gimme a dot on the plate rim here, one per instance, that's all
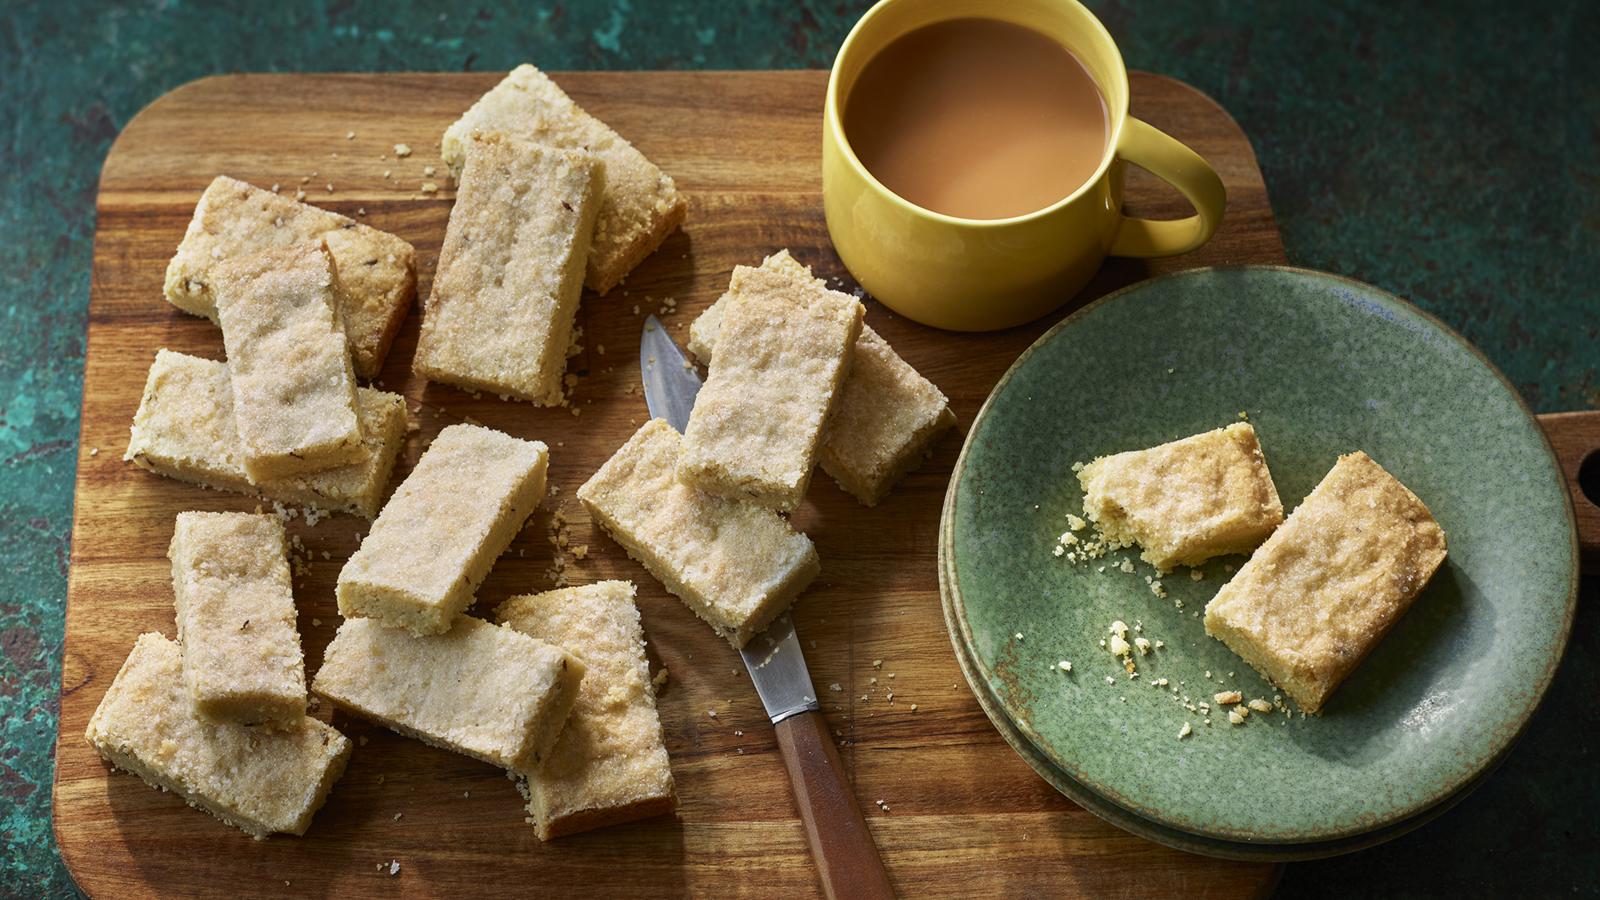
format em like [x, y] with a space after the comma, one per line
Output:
[1482, 762]
[1131, 822]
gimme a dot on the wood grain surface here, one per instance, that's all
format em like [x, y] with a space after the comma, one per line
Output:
[964, 814]
[1575, 438]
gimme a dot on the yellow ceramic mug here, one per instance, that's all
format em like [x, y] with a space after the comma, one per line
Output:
[985, 274]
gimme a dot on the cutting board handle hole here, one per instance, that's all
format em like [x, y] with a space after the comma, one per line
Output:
[1589, 476]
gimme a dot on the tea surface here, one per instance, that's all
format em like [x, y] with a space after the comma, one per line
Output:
[977, 118]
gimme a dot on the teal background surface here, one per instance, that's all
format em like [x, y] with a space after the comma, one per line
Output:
[1448, 152]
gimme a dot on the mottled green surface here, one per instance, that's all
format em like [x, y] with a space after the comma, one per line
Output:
[1322, 366]
[1448, 154]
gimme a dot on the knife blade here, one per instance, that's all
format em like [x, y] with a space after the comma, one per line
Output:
[670, 380]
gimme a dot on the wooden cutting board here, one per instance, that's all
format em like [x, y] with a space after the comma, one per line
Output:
[965, 815]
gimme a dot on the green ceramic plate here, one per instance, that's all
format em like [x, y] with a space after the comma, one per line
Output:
[1322, 365]
[1183, 840]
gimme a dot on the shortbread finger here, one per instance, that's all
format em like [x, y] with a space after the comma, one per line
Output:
[259, 780]
[377, 269]
[184, 429]
[481, 690]
[1186, 501]
[294, 393]
[437, 537]
[1320, 594]
[609, 764]
[887, 414]
[640, 206]
[784, 347]
[235, 612]
[511, 270]
[737, 565]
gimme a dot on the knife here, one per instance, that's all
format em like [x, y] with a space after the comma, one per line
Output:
[846, 858]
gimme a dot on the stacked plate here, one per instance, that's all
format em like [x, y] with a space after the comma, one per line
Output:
[1321, 366]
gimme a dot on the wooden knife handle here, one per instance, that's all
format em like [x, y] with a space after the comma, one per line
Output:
[1576, 439]
[846, 857]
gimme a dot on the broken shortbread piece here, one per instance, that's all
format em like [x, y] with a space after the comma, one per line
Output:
[640, 205]
[786, 347]
[376, 269]
[294, 393]
[236, 619]
[609, 765]
[481, 690]
[506, 290]
[1186, 501]
[438, 536]
[1315, 599]
[886, 417]
[184, 429]
[737, 565]
[259, 780]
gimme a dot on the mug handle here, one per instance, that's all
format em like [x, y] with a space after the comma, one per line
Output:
[1168, 159]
